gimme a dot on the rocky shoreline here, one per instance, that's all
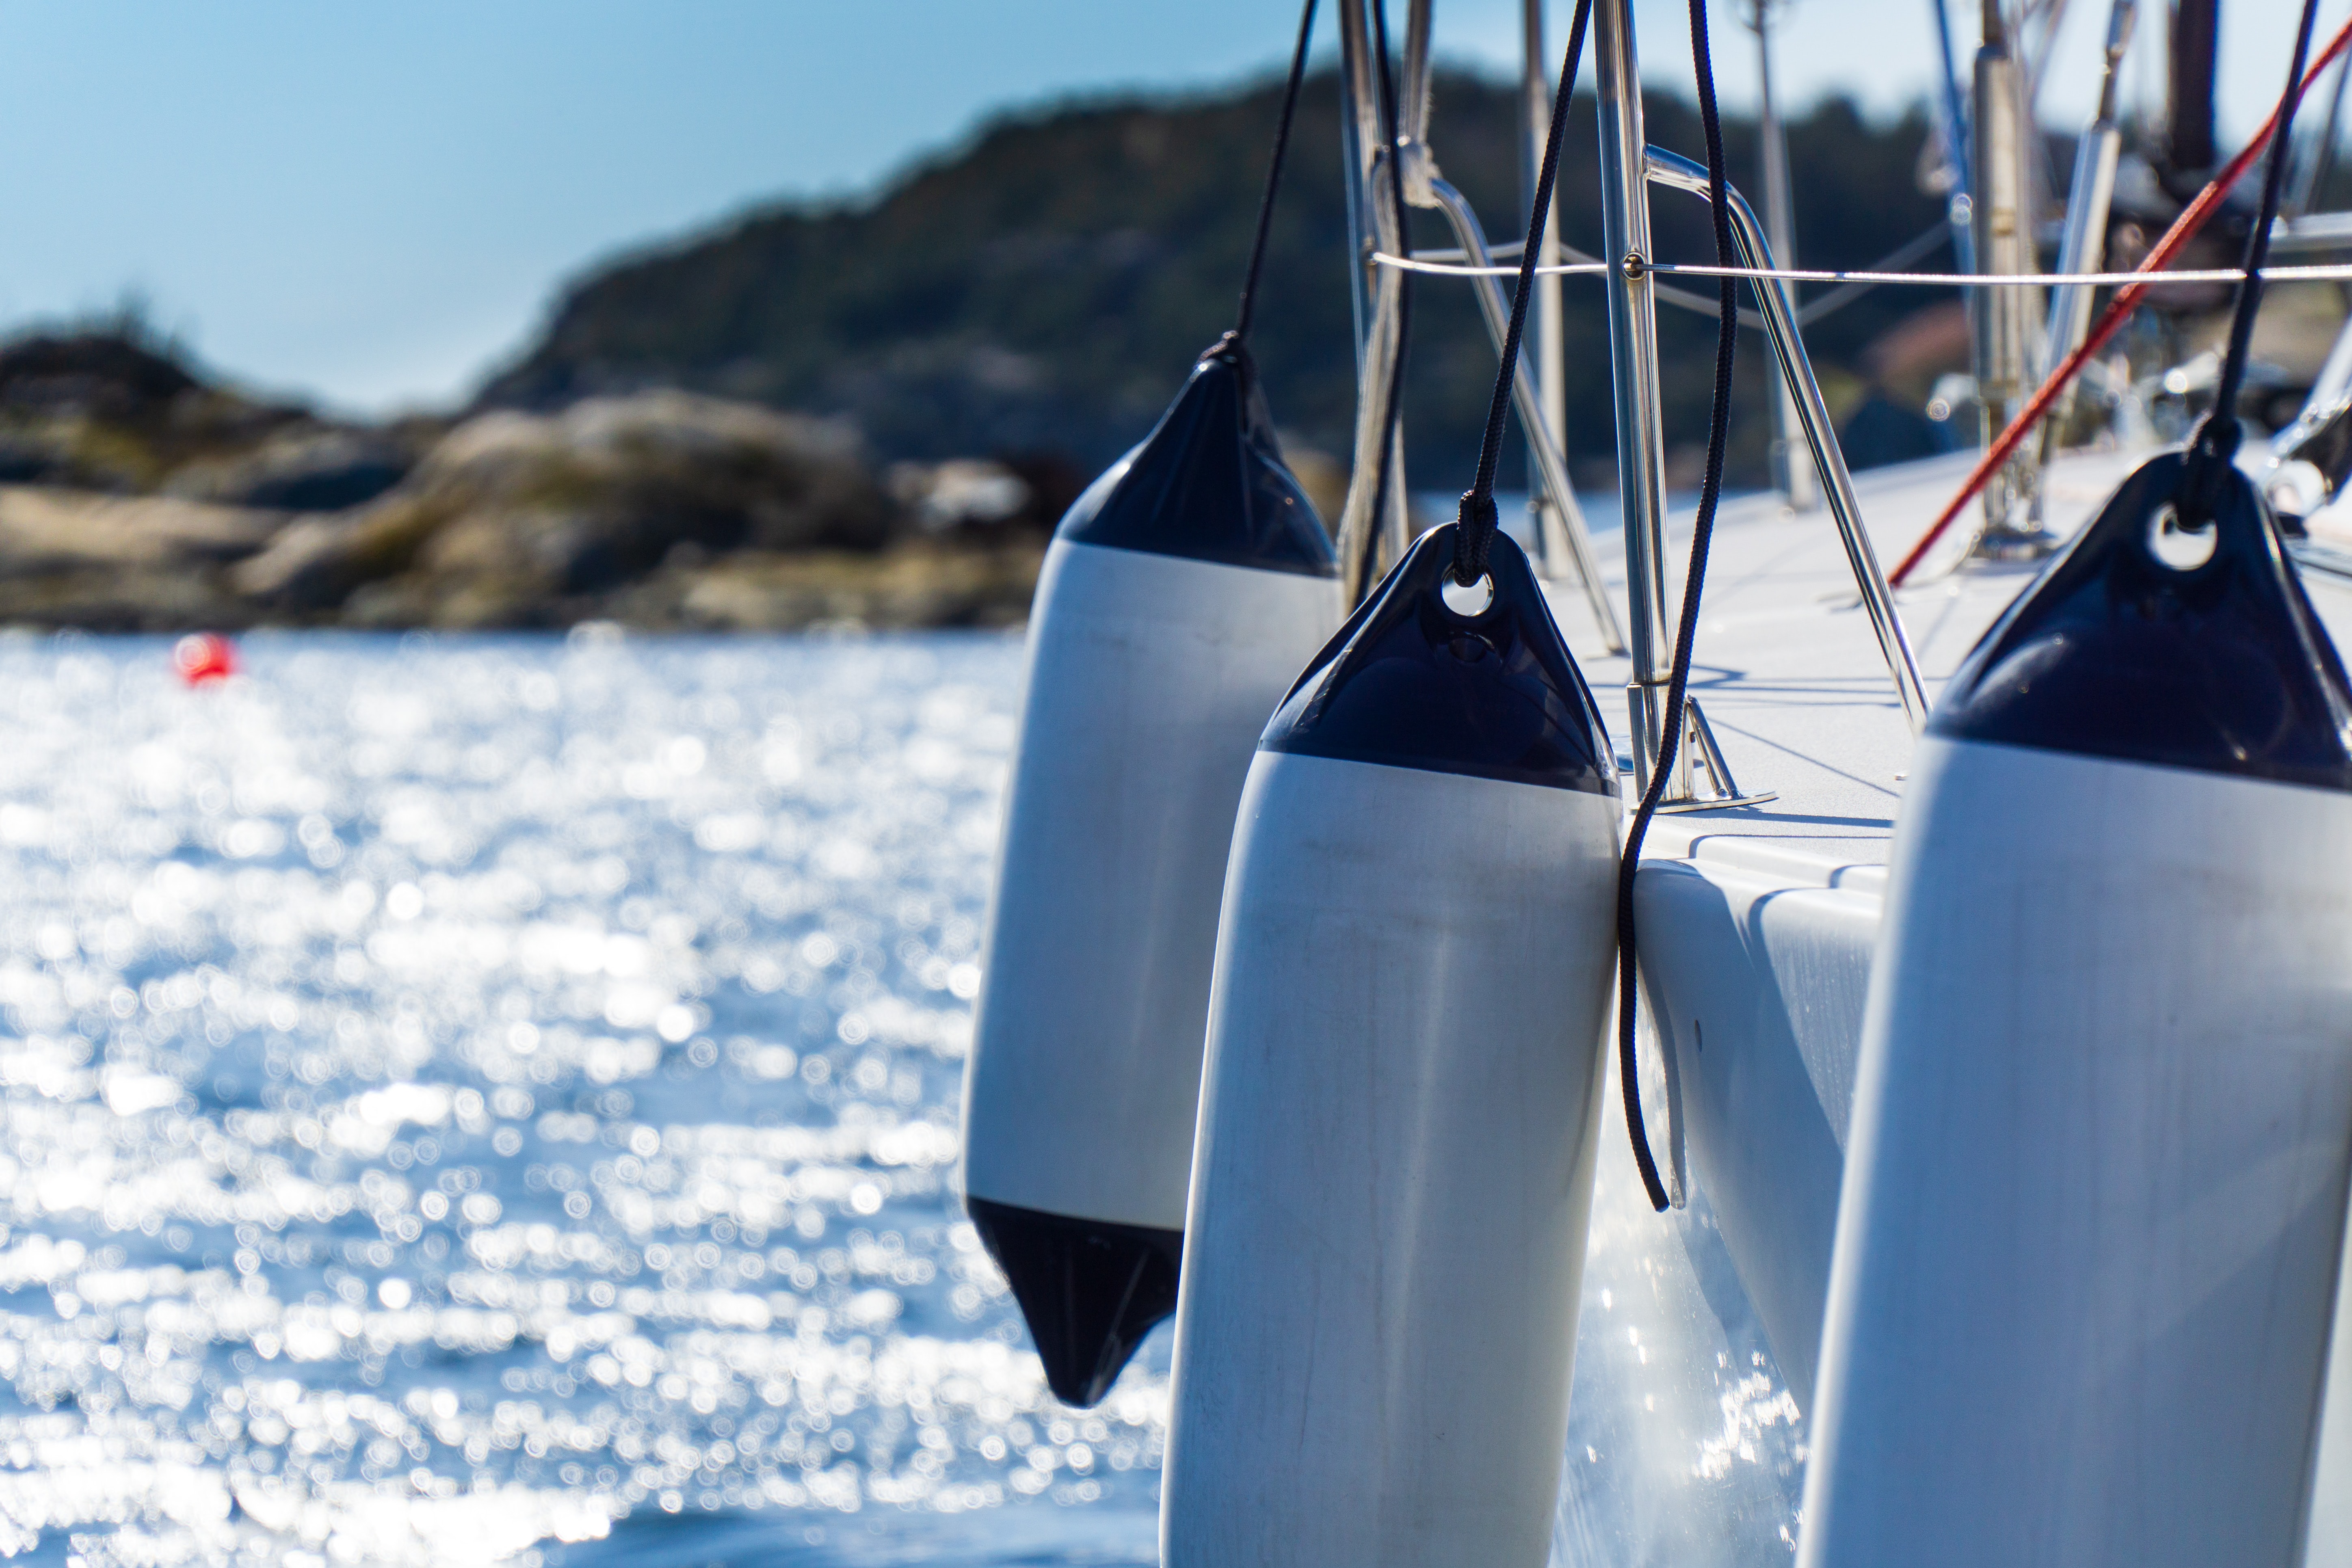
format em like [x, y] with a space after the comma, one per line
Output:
[135, 497]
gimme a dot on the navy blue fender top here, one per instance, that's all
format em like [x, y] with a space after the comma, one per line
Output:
[1410, 682]
[1208, 483]
[2222, 668]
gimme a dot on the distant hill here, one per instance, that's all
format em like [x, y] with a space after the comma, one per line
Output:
[1042, 289]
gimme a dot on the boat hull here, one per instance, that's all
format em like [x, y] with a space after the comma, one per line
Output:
[1756, 985]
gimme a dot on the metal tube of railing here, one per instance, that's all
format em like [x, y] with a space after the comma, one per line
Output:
[1413, 87]
[1359, 139]
[1780, 326]
[1633, 365]
[1792, 473]
[2003, 218]
[1375, 291]
[2083, 246]
[1547, 344]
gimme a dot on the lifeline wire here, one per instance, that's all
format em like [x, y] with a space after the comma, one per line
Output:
[1903, 254]
[1718, 430]
[1389, 133]
[2218, 433]
[2111, 320]
[1868, 278]
[1474, 535]
[1273, 175]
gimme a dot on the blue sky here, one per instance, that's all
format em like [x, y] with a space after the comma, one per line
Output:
[372, 203]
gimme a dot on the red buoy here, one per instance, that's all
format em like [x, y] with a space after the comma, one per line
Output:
[203, 657]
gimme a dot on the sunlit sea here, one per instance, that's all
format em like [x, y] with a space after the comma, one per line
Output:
[493, 1100]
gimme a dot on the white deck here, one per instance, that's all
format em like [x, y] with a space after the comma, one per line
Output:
[1791, 679]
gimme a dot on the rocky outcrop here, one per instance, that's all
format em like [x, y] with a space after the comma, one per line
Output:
[162, 502]
[530, 519]
[306, 467]
[913, 585]
[111, 564]
[117, 413]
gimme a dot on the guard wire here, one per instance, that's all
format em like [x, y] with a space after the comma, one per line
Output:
[1718, 429]
[2215, 444]
[1925, 243]
[1391, 133]
[1474, 536]
[1582, 264]
[1274, 176]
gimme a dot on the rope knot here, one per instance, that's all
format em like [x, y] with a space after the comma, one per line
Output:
[2204, 479]
[1474, 536]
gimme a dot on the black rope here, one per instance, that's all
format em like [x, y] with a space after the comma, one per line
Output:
[2215, 444]
[1718, 429]
[1273, 175]
[1474, 535]
[1391, 132]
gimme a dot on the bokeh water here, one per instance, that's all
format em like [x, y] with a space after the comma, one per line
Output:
[493, 1100]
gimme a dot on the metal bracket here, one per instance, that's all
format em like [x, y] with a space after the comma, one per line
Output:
[1699, 753]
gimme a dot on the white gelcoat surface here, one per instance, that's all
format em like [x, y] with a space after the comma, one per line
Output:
[1392, 1183]
[2088, 1252]
[1149, 679]
[1756, 988]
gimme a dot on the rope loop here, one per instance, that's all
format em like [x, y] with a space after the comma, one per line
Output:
[1473, 539]
[2212, 451]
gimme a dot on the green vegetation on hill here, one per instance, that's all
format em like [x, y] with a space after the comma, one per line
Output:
[1042, 289]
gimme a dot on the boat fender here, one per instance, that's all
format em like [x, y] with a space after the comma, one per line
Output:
[1180, 596]
[1399, 1111]
[2088, 1245]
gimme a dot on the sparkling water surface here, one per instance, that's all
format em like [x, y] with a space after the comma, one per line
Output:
[493, 1100]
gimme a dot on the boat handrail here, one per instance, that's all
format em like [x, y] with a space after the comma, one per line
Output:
[1672, 169]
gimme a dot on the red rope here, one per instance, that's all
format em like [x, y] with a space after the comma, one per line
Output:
[2184, 229]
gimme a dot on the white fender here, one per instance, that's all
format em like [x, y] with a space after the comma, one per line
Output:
[1177, 603]
[2330, 1542]
[1398, 1113]
[2087, 1248]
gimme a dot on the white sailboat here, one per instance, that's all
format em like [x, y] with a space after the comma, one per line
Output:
[2013, 1060]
